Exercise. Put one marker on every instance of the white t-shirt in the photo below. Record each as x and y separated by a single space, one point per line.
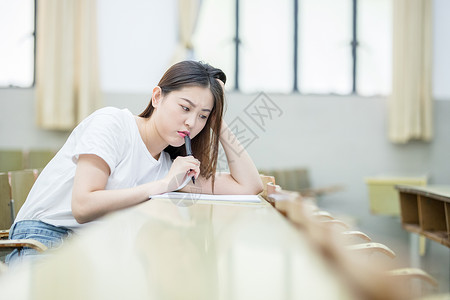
109 133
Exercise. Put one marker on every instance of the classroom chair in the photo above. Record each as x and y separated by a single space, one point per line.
370 248
22 243
350 236
290 204
410 273
3 268
21 183
371 277
323 215
11 160
298 180
266 179
4 234
5 205
14 189
336 224
410 280
38 159
6 211
272 188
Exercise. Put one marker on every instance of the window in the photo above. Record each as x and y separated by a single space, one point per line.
17 39
266 51
310 46
374 64
214 38
324 49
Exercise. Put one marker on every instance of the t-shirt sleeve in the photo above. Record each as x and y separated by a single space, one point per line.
103 135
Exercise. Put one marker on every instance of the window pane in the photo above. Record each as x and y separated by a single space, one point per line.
17 50
325 33
214 37
374 65
266 52
136 43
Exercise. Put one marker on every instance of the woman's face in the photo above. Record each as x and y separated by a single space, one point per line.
181 112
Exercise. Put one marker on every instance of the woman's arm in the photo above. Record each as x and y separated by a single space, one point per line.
90 200
243 177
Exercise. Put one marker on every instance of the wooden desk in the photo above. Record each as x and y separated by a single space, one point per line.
158 250
426 210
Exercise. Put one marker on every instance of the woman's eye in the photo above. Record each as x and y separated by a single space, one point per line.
185 108
203 117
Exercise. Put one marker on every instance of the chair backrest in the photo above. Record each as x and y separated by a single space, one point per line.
5 199
290 179
21 183
38 159
265 180
11 160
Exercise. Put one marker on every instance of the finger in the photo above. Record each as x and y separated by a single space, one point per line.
195 171
194 161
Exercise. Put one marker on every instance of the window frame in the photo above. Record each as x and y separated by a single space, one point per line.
295 85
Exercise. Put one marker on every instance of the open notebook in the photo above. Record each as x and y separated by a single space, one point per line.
207 197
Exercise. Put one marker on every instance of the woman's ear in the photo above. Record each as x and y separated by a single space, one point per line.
222 84
156 96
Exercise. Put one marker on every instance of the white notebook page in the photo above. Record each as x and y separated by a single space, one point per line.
207 197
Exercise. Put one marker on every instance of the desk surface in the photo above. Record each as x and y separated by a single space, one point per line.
158 250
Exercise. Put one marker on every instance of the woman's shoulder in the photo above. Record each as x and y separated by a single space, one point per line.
113 111
110 115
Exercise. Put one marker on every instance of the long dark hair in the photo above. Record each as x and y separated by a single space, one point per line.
205 146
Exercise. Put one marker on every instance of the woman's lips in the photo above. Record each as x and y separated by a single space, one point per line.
183 133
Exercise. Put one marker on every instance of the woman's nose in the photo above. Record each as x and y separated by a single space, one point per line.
190 121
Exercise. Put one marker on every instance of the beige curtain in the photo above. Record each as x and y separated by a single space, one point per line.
411 105
188 11
67 76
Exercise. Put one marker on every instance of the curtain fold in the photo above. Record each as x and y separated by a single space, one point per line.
188 11
67 75
410 104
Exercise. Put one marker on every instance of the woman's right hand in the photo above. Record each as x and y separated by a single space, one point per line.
182 167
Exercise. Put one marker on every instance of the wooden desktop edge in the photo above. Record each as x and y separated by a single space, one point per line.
427 191
441 237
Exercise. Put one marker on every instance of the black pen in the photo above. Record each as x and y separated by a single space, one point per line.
187 143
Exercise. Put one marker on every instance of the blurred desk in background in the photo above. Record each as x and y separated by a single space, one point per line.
426 211
383 197
159 250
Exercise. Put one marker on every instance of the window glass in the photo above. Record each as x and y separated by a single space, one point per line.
266 52
324 51
214 37
374 58
17 43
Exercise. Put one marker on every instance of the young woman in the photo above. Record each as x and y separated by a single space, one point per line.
113 159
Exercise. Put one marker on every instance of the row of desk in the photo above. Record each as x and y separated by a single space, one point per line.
426 211
159 250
